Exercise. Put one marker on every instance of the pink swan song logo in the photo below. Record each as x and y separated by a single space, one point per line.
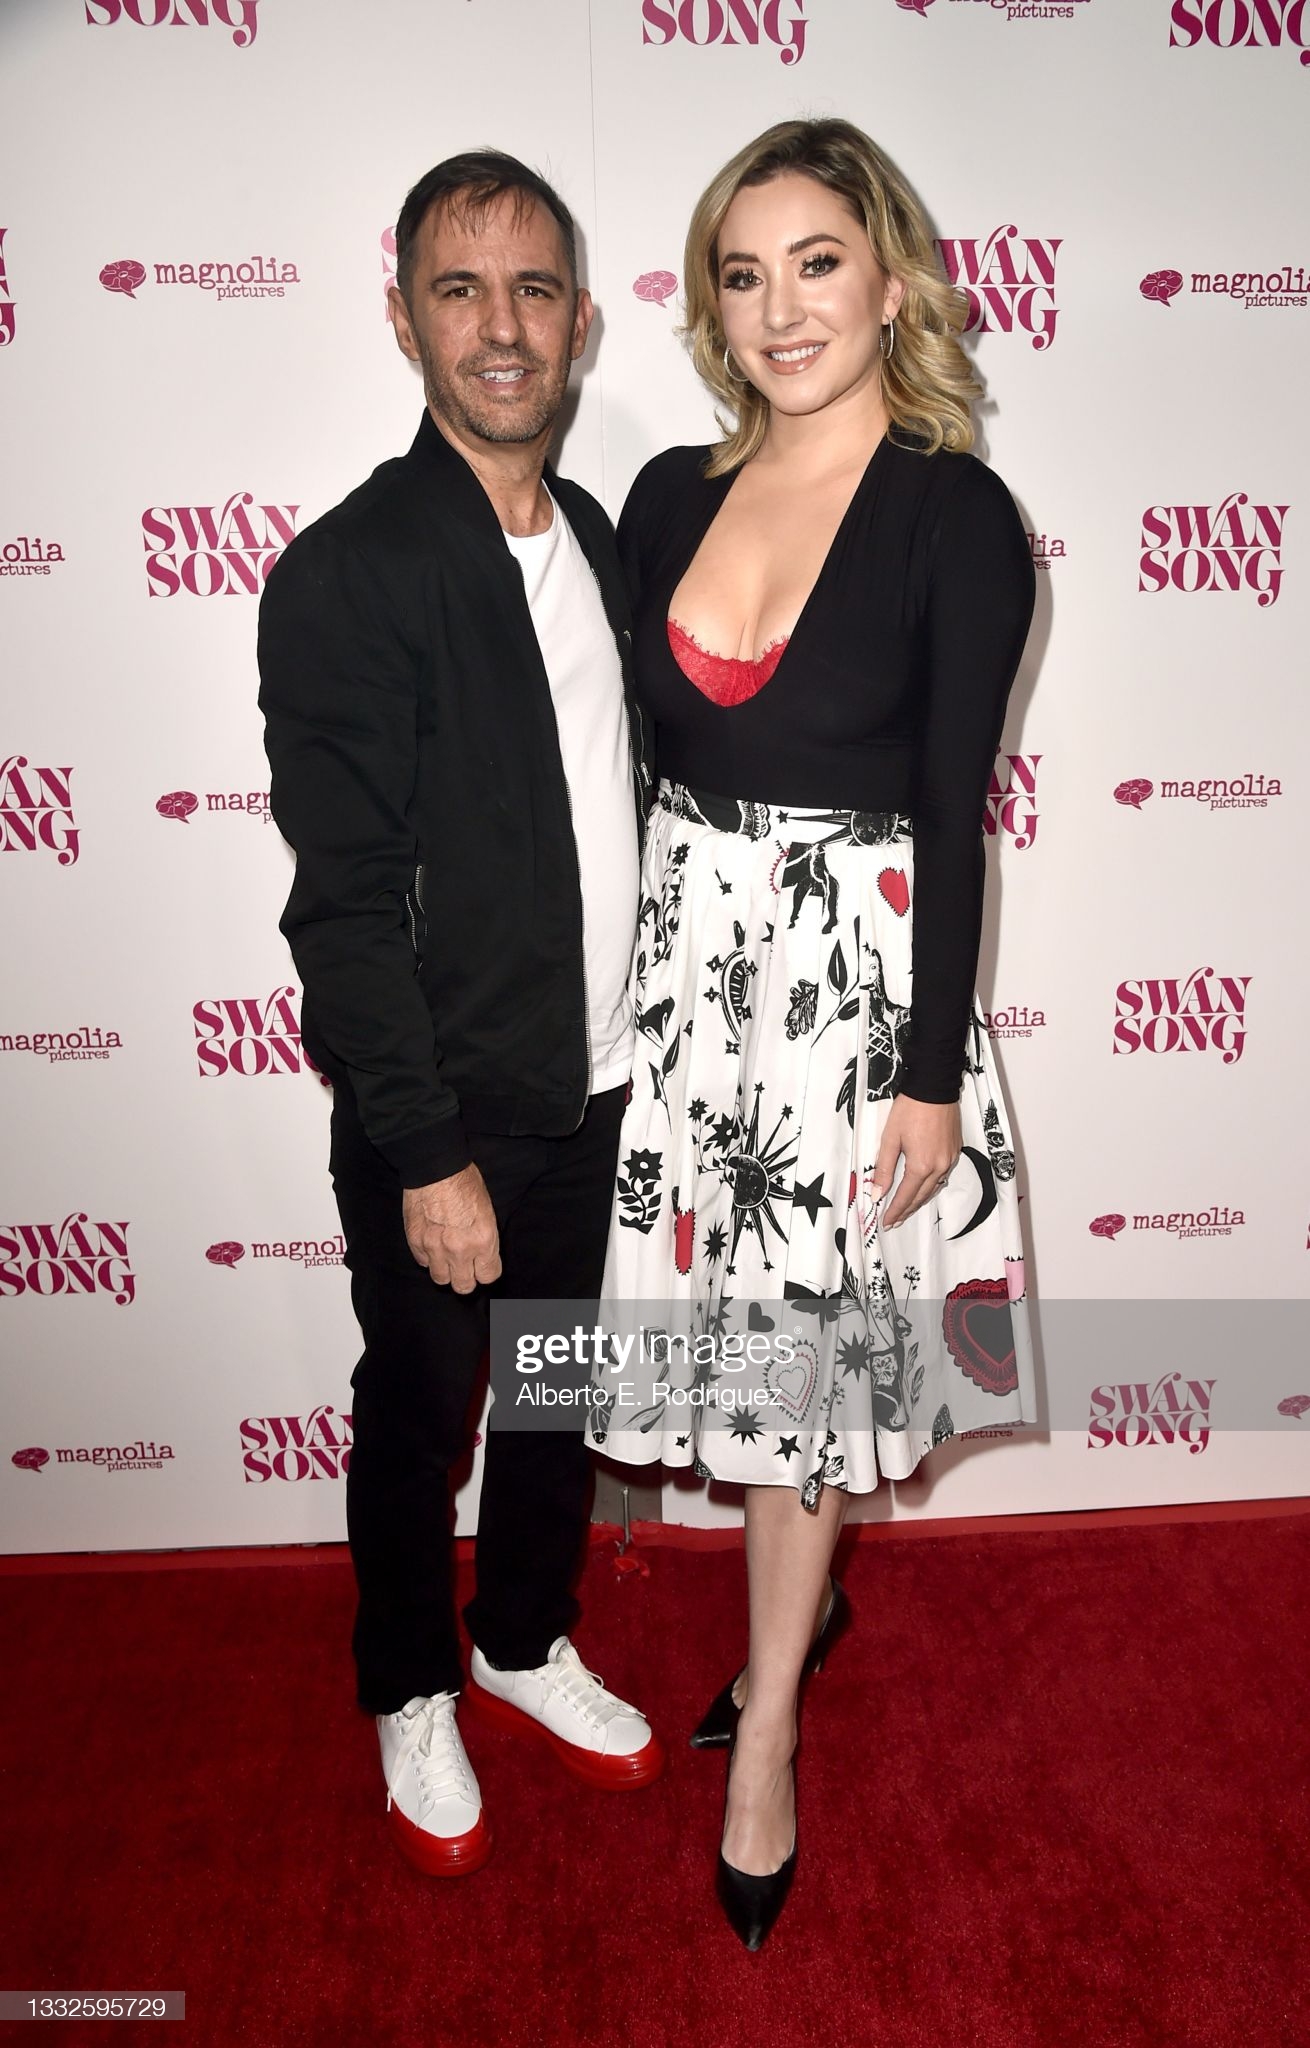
215 550
1241 24
1161 285
250 1035
240 16
1233 546
1295 1405
1174 1411
123 277
1107 1226
702 22
1205 1013
225 1253
1008 282
314 1446
36 810
30 1460
655 286
388 242
179 804
1011 807
76 1256
6 301
1134 792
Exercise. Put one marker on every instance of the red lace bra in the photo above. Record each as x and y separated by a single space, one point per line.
723 678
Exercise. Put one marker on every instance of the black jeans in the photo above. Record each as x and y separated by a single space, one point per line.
423 1348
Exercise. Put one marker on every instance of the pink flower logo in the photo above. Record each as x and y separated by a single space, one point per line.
179 804
657 286
1135 791
225 1253
31 1460
1161 285
1107 1226
1295 1404
915 6
123 277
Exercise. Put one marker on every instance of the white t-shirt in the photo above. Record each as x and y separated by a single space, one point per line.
586 686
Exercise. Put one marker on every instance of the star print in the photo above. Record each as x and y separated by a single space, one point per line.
810 1197
787 1445
716 1242
853 1355
683 1442
746 1425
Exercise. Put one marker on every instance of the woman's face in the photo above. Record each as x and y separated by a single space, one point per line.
802 296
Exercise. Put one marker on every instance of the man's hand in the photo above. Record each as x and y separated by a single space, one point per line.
928 1133
451 1229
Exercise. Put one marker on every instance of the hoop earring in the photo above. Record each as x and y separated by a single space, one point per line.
886 353
726 371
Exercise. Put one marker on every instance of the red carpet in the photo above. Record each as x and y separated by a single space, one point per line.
1053 1791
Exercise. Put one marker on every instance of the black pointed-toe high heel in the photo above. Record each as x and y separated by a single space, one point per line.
752 1903
717 1728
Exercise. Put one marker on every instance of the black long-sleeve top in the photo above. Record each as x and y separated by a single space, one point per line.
890 695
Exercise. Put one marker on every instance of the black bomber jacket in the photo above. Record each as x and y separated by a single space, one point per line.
435 918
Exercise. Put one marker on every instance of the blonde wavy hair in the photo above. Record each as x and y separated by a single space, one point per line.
928 384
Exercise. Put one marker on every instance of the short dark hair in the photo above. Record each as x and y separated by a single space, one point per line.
478 179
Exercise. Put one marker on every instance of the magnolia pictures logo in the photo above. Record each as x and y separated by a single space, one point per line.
1286 286
1234 546
1217 792
306 1252
85 1042
142 1456
240 17
28 555
758 24
179 806
1008 10
655 287
1015 1020
257 277
1216 1221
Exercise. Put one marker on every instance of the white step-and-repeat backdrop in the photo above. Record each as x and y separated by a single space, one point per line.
195 209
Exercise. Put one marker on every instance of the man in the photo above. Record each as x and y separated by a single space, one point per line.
457 763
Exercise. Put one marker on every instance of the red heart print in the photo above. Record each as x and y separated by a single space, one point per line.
895 890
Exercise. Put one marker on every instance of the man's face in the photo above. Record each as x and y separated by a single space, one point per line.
494 321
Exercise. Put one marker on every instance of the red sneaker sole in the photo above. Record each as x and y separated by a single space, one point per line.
440 1855
608 1773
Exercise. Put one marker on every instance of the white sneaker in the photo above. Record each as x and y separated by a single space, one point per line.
594 1734
434 1805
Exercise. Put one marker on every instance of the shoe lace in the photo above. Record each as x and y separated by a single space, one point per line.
583 1691
432 1744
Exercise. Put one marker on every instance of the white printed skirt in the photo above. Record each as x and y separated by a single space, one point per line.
765 1327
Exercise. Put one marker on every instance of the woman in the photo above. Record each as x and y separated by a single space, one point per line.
830 607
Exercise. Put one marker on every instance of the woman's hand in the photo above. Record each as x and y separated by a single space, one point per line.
929 1135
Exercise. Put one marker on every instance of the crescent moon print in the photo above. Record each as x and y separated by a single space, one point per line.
982 1166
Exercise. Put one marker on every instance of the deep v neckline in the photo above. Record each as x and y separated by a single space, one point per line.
783 647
